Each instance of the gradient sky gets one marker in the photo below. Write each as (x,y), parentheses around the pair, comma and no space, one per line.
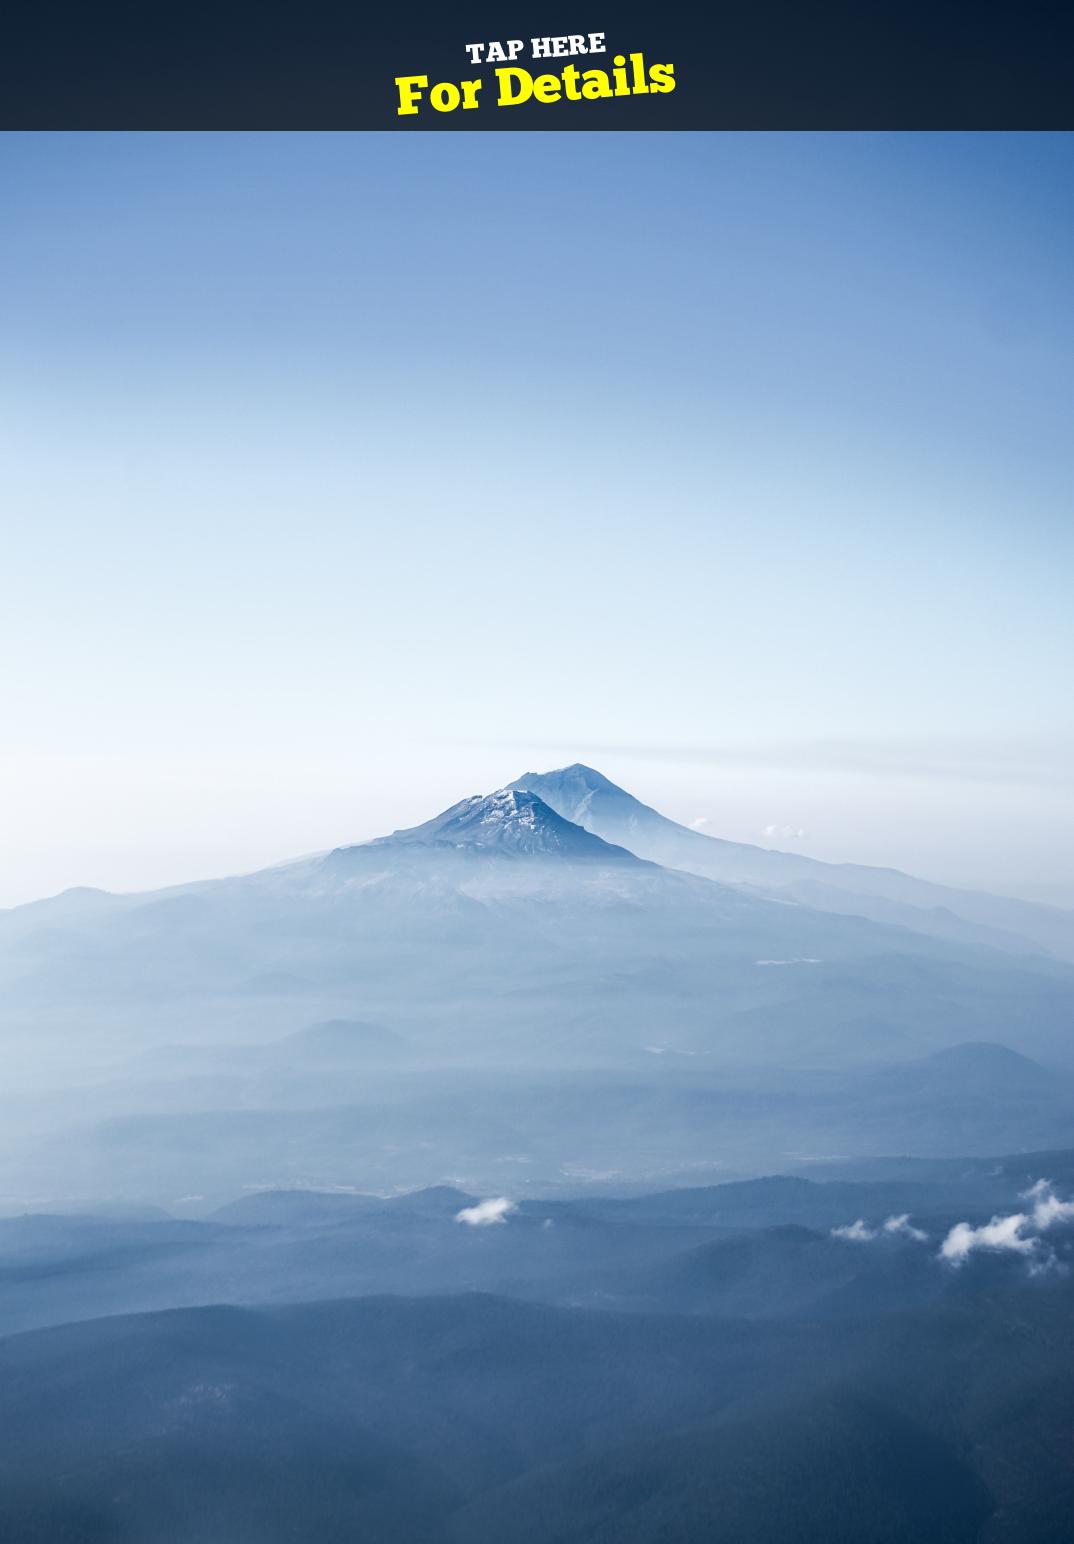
(346,475)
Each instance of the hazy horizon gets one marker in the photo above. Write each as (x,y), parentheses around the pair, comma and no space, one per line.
(339,818)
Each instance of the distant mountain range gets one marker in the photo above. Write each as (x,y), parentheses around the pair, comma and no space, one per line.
(726,1363)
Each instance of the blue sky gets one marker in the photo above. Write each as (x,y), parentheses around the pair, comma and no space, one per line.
(344,475)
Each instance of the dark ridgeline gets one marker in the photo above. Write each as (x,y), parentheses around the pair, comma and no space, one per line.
(667,1368)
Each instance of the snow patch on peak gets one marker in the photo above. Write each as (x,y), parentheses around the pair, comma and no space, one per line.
(505,804)
(512,820)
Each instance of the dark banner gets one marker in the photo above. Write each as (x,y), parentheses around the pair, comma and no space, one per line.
(562,65)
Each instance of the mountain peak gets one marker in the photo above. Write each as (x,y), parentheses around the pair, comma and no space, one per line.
(577,774)
(579,792)
(512,820)
(988,1058)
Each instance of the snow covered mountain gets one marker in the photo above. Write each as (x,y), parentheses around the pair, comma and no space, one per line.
(511,822)
(523,976)
(502,921)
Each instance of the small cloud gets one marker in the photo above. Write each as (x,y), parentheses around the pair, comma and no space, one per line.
(1002,1234)
(856,1232)
(860,1232)
(1017,1234)
(902,1228)
(787,833)
(1049,1209)
(702,820)
(486,1213)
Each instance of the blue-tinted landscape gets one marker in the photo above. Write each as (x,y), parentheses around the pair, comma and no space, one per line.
(495,1178)
(536,949)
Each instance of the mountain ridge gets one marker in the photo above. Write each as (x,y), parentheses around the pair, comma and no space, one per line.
(582,794)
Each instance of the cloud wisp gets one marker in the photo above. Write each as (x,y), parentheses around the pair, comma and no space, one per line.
(859,1232)
(901,1227)
(486,1213)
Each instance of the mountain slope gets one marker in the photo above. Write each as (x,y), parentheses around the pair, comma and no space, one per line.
(478,1419)
(499,882)
(497,936)
(585,796)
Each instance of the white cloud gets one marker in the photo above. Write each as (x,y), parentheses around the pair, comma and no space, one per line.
(1019,1233)
(702,820)
(486,1213)
(901,1225)
(1049,1209)
(857,1232)
(860,1232)
(790,833)
(1016,1234)
(1001,1234)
